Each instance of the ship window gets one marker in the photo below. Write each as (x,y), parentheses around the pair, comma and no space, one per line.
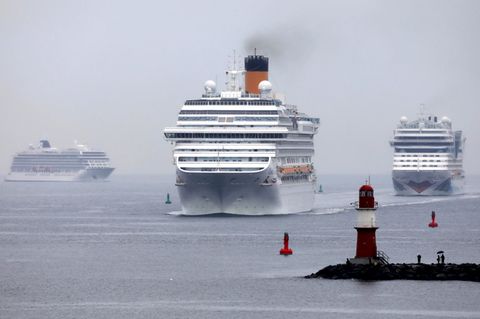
(225,112)
(225,135)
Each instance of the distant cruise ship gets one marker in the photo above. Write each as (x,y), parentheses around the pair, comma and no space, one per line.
(428,158)
(244,151)
(45,163)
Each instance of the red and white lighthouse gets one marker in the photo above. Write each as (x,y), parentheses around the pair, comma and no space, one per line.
(366,227)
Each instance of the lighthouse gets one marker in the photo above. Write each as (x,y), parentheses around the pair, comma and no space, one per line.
(366,252)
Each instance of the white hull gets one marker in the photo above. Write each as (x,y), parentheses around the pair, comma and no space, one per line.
(89,174)
(242,193)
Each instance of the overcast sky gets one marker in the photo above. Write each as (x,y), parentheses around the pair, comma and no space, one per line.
(113,74)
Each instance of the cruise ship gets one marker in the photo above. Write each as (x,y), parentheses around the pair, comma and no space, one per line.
(428,157)
(243,150)
(45,163)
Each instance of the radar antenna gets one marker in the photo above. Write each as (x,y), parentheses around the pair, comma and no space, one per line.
(232,82)
(421,114)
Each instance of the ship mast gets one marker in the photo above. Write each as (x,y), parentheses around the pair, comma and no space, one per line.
(421,114)
(233,83)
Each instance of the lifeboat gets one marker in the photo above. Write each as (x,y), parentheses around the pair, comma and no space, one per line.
(298,169)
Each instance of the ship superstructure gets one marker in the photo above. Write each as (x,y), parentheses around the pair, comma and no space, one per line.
(428,157)
(243,151)
(46,163)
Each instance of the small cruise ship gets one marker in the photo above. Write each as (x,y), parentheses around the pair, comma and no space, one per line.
(243,150)
(428,157)
(45,163)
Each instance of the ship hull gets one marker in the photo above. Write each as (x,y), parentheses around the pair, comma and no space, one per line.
(427,183)
(242,194)
(89,174)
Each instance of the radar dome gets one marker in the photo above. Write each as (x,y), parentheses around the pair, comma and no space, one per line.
(403,120)
(265,86)
(445,119)
(210,86)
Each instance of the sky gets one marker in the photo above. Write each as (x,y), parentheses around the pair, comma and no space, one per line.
(113,74)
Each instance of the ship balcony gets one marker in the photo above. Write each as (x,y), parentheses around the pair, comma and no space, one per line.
(225,147)
(219,166)
(225,134)
(226,154)
(422,142)
(424,160)
(419,168)
(98,164)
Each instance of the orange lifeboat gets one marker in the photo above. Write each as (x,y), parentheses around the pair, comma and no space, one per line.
(299,169)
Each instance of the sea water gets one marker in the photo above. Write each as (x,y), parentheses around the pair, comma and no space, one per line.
(116,250)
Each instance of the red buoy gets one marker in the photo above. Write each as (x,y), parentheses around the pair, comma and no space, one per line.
(285,250)
(433,223)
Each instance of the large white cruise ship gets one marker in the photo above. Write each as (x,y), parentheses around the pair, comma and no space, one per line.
(243,151)
(47,164)
(428,157)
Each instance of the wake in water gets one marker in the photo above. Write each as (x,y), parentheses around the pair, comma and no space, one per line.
(339,202)
(175,213)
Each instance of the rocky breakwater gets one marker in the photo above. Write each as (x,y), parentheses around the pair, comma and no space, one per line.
(467,272)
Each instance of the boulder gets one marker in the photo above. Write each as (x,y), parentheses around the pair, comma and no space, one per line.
(467,272)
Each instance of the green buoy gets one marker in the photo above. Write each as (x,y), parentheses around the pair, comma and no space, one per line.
(168,201)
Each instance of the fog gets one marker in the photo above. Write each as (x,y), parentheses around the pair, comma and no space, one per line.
(113,74)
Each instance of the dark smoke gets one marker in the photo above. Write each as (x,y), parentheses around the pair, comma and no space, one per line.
(284,45)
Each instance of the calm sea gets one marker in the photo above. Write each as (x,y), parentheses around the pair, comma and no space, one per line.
(116,250)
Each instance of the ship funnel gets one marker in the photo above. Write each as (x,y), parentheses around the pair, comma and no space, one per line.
(256,71)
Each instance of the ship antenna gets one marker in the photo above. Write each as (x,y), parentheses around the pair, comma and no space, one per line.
(422,111)
(234,60)
(232,75)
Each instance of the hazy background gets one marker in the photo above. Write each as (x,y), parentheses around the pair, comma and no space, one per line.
(113,74)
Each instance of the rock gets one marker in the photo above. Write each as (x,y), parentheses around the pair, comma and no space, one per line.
(441,276)
(468,272)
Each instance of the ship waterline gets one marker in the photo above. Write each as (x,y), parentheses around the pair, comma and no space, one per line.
(89,174)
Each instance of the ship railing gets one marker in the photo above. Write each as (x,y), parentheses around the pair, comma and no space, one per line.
(383,257)
(357,205)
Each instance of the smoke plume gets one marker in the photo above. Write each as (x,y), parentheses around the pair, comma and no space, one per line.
(283,44)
